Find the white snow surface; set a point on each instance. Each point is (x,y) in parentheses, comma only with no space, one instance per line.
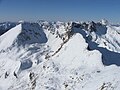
(59,56)
(7,39)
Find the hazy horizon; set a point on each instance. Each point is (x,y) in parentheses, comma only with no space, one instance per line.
(59,10)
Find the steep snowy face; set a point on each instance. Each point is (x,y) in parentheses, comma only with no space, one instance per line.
(75,54)
(7,39)
(21,48)
(23,34)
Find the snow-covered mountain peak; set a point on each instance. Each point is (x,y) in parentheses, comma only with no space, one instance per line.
(24,33)
(21,21)
(104,22)
(7,39)
(60,56)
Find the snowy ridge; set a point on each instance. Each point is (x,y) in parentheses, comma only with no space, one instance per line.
(5,26)
(79,47)
(7,39)
(60,56)
(22,34)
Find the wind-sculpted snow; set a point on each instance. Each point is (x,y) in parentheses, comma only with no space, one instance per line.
(60,56)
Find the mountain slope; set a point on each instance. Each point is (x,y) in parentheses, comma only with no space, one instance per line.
(7,39)
(24,33)
(60,56)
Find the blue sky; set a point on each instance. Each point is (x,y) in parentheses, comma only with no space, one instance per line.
(64,10)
